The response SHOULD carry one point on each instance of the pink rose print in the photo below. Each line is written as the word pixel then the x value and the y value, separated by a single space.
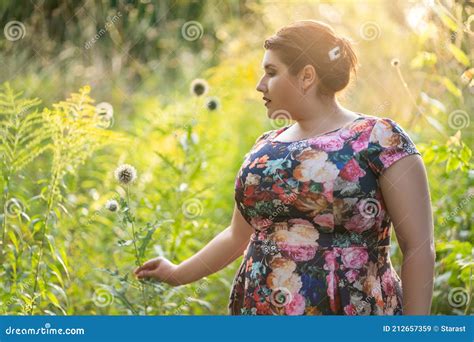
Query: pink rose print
pixel 296 306
pixel 330 260
pixel 352 275
pixel 390 156
pixel 352 171
pixel 332 292
pixel 298 221
pixel 324 220
pixel 359 223
pixel 261 223
pixel 328 143
pixel 350 310
pixel 328 188
pixel 387 283
pixel 298 252
pixel 354 257
pixel 362 142
pixel 346 133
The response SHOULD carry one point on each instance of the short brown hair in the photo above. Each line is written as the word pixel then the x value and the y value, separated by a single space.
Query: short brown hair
pixel 311 42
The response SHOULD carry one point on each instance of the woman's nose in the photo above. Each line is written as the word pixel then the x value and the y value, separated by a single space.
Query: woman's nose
pixel 261 87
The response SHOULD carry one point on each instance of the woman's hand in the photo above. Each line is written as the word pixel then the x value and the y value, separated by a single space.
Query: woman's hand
pixel 160 269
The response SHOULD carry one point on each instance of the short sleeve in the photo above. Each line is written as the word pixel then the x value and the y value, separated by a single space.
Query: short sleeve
pixel 388 143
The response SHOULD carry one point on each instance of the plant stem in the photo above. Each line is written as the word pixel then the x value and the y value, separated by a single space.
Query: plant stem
pixel 137 255
pixel 43 235
pixel 4 222
pixel 469 294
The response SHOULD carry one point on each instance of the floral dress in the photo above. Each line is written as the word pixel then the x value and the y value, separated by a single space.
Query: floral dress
pixel 322 232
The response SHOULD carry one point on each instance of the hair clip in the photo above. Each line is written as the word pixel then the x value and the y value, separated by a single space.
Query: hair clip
pixel 334 53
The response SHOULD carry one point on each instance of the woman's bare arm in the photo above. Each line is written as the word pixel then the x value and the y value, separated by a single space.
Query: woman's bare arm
pixel 224 248
pixel 406 194
pixel 219 252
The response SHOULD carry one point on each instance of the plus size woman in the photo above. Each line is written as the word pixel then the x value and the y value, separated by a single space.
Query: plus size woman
pixel 315 200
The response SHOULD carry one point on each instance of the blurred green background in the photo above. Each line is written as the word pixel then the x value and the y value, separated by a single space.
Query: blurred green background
pixel 132 64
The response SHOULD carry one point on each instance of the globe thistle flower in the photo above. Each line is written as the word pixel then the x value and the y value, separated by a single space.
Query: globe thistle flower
pixel 212 103
pixel 395 62
pixel 125 174
pixel 105 111
pixel 112 205
pixel 199 87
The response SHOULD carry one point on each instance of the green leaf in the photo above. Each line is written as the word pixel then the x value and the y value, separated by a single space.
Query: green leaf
pixel 14 240
pixel 452 164
pixel 200 302
pixel 429 155
pixel 145 241
pixel 465 154
pixel 422 59
pixel 55 270
pixel 447 21
pixel 442 153
pixel 123 243
pixel 451 87
pixel 459 55
pixel 169 162
pixel 54 300
pixel 63 264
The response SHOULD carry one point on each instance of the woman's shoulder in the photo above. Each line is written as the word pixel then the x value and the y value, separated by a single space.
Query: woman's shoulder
pixel 270 133
pixel 372 122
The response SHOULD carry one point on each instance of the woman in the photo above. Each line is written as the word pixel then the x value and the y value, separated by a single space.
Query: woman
pixel 315 200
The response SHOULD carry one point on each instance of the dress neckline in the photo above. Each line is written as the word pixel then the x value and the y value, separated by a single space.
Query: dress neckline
pixel 281 130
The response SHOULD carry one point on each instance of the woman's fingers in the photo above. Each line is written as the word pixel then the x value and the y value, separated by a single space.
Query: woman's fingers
pixel 150 264
pixel 144 274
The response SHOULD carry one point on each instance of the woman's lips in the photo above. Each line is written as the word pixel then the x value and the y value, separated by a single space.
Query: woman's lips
pixel 267 102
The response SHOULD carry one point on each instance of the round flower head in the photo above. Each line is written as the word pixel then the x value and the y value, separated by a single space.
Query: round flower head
pixel 112 205
pixel 125 174
pixel 199 87
pixel 105 110
pixel 395 62
pixel 212 103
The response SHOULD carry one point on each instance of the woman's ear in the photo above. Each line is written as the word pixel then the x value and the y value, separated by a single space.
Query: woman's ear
pixel 308 78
